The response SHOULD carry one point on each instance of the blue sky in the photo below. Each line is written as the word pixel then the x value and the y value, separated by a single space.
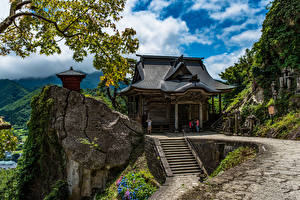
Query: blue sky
pixel 218 30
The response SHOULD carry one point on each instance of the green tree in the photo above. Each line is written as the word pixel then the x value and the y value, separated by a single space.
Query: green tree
pixel 279 45
pixel 239 74
pixel 85 26
pixel 118 102
pixel 8 142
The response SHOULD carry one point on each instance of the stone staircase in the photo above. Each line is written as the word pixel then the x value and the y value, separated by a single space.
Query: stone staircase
pixel 180 157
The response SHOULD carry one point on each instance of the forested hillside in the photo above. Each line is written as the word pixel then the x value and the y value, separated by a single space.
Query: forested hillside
pixel 267 75
pixel 18 112
pixel 10 92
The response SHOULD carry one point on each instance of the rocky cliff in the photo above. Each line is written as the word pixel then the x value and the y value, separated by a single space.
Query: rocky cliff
pixel 74 139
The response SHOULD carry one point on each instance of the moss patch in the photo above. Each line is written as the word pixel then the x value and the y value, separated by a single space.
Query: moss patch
pixel 8 184
pixel 235 158
pixel 282 127
pixel 59 191
pixel 42 163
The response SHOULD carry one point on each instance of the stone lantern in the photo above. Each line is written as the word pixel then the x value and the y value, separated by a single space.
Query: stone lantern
pixel 71 79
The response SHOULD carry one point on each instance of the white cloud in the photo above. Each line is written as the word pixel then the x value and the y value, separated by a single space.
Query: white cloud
pixel 246 36
pixel 159 5
pixel 207 5
pixel 224 9
pixel 231 12
pixel 4 9
pixel 218 63
pixel 160 36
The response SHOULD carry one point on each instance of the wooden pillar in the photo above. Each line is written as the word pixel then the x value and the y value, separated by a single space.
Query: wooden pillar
pixel 176 117
pixel 207 111
pixel 201 115
pixel 220 103
pixel 190 112
pixel 213 104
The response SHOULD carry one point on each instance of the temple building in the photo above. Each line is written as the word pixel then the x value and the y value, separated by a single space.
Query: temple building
pixel 71 79
pixel 172 91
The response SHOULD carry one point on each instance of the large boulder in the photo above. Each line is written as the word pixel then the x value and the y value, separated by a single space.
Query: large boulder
pixel 95 140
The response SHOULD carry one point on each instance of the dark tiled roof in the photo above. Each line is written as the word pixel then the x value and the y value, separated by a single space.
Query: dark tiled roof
pixel 155 73
pixel 71 72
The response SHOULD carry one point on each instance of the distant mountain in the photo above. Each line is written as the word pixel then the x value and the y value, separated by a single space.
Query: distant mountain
pixel 10 92
pixel 18 112
pixel 91 81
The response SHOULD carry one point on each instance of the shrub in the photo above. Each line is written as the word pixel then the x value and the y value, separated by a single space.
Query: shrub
pixel 8 184
pixel 59 191
pixel 135 186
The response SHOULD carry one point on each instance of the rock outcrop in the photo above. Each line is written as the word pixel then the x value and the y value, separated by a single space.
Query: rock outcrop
pixel 95 140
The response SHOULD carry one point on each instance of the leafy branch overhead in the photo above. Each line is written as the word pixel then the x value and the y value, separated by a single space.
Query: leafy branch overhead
pixel 85 26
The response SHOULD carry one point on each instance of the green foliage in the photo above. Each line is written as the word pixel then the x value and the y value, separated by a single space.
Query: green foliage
pixel 40 148
pixel 271 103
pixel 8 142
pixel 235 158
pixel 8 184
pixel 135 186
pixel 59 191
pixel 239 98
pixel 279 44
pixel 11 91
pixel 239 75
pixel 87 27
pixel 282 126
pixel 92 144
pixel 18 112
pixel 139 168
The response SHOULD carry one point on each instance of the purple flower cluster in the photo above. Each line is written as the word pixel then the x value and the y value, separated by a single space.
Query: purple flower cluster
pixel 124 189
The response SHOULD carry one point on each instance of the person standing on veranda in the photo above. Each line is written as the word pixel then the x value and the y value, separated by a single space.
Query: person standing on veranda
pixel 149 122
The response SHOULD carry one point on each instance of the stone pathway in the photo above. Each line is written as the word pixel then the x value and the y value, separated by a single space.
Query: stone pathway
pixel 175 186
pixel 273 175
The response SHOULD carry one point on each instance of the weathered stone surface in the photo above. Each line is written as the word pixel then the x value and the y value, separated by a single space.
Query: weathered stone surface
pixel 75 117
pixel 154 161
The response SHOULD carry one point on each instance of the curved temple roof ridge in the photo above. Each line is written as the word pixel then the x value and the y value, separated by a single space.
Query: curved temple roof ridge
pixel 171 74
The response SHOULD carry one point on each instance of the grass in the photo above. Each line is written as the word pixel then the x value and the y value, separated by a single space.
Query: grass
pixel 240 97
pixel 282 127
pixel 235 158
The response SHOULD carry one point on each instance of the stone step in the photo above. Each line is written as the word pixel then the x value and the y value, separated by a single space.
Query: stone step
pixel 174 146
pixel 190 172
pixel 184 166
pixel 173 143
pixel 176 150
pixel 179 155
pixel 190 162
pixel 176 159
